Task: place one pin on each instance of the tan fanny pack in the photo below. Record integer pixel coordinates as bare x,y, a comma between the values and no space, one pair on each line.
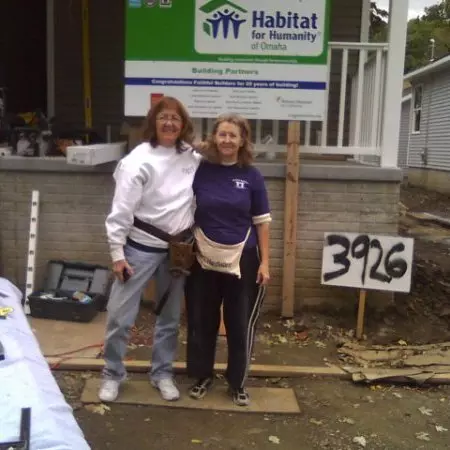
219,257
181,246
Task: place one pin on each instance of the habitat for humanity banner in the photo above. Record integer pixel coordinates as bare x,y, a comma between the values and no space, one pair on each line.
264,59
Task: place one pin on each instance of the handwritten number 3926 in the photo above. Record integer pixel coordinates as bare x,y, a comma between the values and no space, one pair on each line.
359,249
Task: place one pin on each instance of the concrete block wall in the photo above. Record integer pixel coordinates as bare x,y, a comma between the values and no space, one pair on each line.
345,206
73,207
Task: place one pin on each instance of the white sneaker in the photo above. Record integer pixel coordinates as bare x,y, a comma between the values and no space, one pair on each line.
167,388
109,390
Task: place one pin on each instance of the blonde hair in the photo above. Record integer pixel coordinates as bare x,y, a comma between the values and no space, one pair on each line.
245,154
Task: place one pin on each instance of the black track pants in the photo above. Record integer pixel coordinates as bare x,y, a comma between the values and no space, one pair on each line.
242,298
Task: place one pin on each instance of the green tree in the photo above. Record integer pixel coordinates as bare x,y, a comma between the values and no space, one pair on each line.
428,36
378,23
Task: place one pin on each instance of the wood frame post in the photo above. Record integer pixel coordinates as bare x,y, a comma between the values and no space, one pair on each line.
290,218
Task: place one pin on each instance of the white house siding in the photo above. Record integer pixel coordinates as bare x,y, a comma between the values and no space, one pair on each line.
434,136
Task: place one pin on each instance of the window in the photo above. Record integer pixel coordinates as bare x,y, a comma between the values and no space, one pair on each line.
417,108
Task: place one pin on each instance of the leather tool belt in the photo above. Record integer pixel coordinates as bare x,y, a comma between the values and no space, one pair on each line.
181,247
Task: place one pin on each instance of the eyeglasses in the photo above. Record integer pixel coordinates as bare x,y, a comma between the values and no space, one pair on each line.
168,118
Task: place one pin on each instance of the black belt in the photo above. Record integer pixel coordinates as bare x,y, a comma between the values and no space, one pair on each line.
160,234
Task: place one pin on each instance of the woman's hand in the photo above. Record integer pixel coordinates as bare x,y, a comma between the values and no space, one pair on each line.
263,276
121,268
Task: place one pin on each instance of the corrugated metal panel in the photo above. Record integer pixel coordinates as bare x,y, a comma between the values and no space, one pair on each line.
404,134
107,52
434,136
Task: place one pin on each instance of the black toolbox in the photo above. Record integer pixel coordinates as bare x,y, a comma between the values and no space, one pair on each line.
63,279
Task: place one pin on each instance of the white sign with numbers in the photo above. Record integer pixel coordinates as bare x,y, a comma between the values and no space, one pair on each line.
366,261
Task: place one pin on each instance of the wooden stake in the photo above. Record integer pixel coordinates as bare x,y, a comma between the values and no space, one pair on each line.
290,219
361,312
222,329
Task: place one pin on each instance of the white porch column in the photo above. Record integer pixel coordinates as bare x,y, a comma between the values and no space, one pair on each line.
365,20
398,20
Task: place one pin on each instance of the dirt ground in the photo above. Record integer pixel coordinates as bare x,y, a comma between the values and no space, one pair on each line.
334,414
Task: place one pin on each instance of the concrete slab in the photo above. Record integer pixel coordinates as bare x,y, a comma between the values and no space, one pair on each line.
60,337
263,400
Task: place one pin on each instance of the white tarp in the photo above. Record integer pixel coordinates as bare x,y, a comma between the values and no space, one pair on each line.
26,381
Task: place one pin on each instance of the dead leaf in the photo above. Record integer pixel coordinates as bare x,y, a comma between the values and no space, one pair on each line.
426,411
422,436
98,409
267,326
289,323
402,342
320,344
301,336
255,431
315,422
347,420
196,441
361,440
396,394
274,439
147,419
440,429
281,339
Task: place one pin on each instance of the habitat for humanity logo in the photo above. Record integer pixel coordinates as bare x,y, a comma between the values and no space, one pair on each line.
224,19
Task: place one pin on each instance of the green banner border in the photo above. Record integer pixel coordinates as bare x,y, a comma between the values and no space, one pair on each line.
133,40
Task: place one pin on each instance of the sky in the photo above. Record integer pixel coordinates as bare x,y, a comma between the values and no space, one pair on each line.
416,7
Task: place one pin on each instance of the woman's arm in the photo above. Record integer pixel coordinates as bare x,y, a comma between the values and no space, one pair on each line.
127,195
262,230
263,240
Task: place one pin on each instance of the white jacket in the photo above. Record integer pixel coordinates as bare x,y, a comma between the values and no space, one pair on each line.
155,185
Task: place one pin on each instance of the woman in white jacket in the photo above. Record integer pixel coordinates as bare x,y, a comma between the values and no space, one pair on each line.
153,186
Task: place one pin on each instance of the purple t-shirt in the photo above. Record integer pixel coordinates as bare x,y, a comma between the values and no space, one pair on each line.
228,198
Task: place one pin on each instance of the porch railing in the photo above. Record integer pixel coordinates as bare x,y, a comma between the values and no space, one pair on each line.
354,101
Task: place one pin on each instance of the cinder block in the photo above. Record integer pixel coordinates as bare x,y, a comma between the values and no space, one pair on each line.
74,207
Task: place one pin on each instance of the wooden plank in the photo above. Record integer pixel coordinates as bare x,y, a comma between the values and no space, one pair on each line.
260,370
267,400
361,314
257,370
290,219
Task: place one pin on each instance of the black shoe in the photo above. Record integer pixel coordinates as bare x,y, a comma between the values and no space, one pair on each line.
200,389
240,397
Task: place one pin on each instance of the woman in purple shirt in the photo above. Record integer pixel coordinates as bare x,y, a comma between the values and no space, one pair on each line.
232,238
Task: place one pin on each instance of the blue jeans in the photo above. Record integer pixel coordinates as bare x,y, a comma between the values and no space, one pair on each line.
123,308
